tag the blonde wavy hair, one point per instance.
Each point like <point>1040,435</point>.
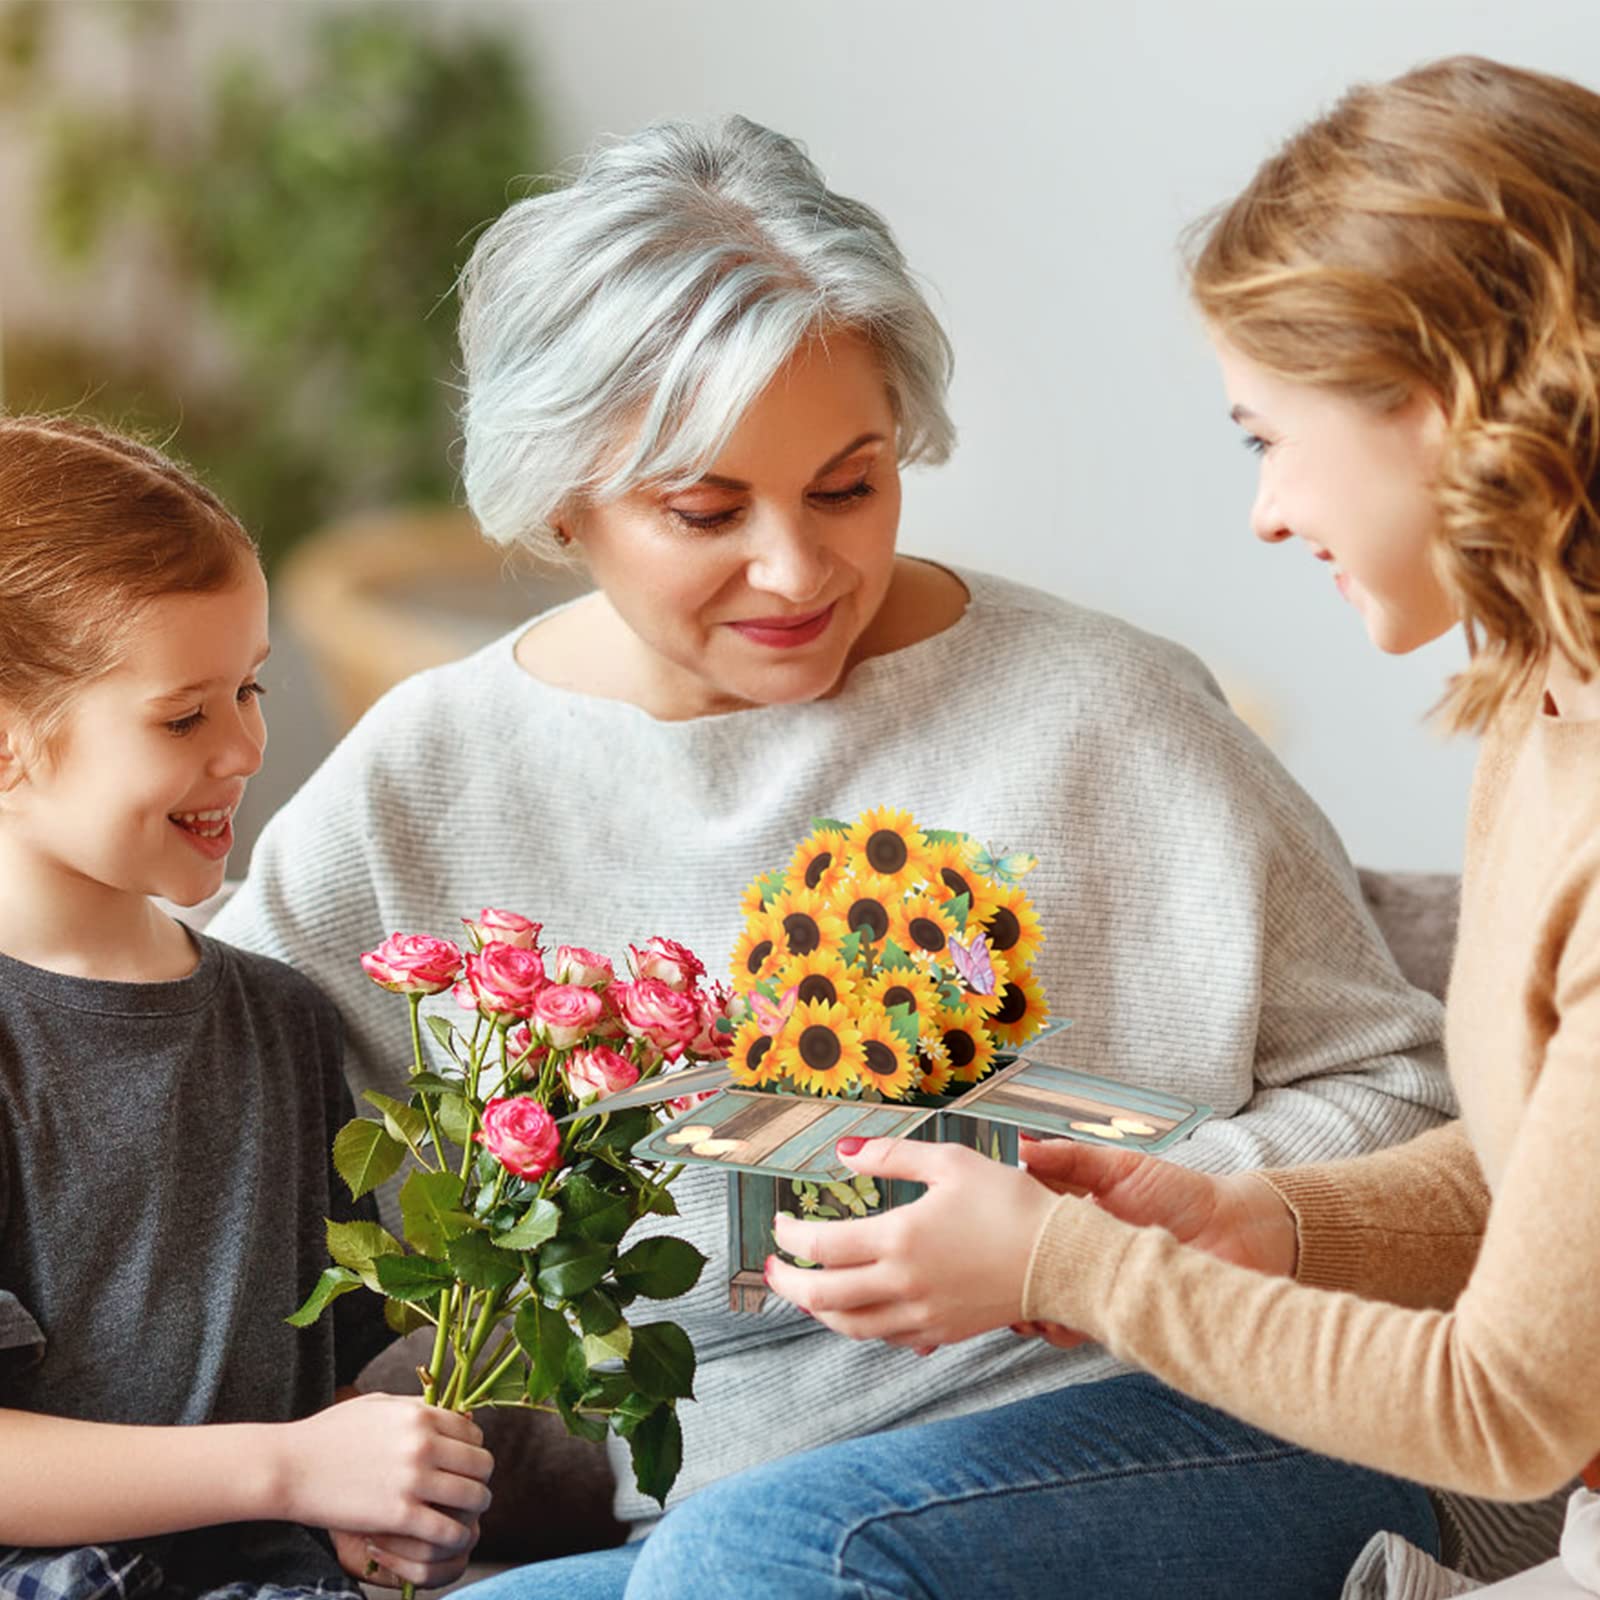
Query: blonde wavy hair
<point>1442,232</point>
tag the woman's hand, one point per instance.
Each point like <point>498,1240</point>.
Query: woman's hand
<point>942,1269</point>
<point>1238,1218</point>
<point>393,1561</point>
<point>410,1478</point>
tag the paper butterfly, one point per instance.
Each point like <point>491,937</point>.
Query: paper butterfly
<point>973,963</point>
<point>1012,868</point>
<point>772,1017</point>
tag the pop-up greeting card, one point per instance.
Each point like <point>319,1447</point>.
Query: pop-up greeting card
<point>885,988</point>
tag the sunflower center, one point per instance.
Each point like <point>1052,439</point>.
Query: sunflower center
<point>954,882</point>
<point>802,933</point>
<point>757,1052</point>
<point>759,956</point>
<point>819,865</point>
<point>962,1047</point>
<point>899,995</point>
<point>880,1058</point>
<point>886,852</point>
<point>1013,1005</point>
<point>819,1047</point>
<point>869,919</point>
<point>1003,929</point>
<point>815,987</point>
<point>925,933</point>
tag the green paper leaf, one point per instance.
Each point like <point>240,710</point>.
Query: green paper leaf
<point>656,1445</point>
<point>365,1155</point>
<point>894,958</point>
<point>772,885</point>
<point>454,1117</point>
<point>538,1223</point>
<point>569,1267</point>
<point>357,1245</point>
<point>613,1345</point>
<point>661,1362</point>
<point>401,1121</point>
<point>413,1277</point>
<point>831,824</point>
<point>850,948</point>
<point>480,1263</point>
<point>550,1346</point>
<point>960,909</point>
<point>402,1317</point>
<point>430,1210</point>
<point>904,1022</point>
<point>334,1282</point>
<point>943,836</point>
<point>593,1213</point>
<point>661,1268</point>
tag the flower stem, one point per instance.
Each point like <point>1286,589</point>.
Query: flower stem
<point>421,1066</point>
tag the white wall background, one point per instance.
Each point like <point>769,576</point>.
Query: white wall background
<point>1038,161</point>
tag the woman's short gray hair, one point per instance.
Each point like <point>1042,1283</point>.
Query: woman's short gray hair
<point>615,330</point>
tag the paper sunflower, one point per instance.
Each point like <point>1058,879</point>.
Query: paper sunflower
<point>756,897</point>
<point>952,875</point>
<point>758,954</point>
<point>904,986</point>
<point>820,1049</point>
<point>751,1060</point>
<point>933,1065</point>
<point>1022,1011</point>
<point>888,1063</point>
<point>968,1042</point>
<point>819,863</point>
<point>822,975</point>
<point>1013,925</point>
<point>807,922</point>
<point>885,843</point>
<point>866,904</point>
<point>922,927</point>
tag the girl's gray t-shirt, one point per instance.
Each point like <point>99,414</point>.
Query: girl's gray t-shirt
<point>165,1173</point>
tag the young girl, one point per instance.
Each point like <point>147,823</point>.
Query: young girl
<point>1405,302</point>
<point>167,1103</point>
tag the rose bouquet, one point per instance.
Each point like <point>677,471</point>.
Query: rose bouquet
<point>522,1185</point>
<point>885,961</point>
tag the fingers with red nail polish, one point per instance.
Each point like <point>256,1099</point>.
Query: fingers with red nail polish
<point>849,1147</point>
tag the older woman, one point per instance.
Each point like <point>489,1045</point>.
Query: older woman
<point>700,371</point>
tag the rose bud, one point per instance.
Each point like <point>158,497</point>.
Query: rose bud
<point>593,1074</point>
<point>504,927</point>
<point>413,963</point>
<point>651,1009</point>
<point>505,979</point>
<point>687,1102</point>
<point>523,1053</point>
<point>564,1013</point>
<point>574,964</point>
<point>715,1003</point>
<point>669,962</point>
<point>521,1135</point>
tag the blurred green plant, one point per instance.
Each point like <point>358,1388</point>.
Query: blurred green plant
<point>315,216</point>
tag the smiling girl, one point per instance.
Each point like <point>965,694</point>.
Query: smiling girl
<point>167,1103</point>
<point>1405,303</point>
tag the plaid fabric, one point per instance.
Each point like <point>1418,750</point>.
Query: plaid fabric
<point>105,1572</point>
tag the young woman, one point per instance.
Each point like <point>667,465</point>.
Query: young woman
<point>168,1104</point>
<point>1405,303</point>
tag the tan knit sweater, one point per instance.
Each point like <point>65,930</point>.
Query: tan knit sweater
<point>1427,1333</point>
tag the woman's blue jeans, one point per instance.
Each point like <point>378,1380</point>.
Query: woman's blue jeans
<point>1099,1491</point>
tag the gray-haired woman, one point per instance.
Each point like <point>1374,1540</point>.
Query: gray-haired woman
<point>700,371</point>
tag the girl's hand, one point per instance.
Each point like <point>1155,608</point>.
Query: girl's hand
<point>388,1466</point>
<point>942,1269</point>
<point>392,1561</point>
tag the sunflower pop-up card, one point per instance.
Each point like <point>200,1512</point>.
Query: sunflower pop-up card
<point>884,987</point>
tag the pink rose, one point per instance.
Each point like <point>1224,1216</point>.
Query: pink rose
<point>687,1102</point>
<point>413,963</point>
<point>564,1013</point>
<point>574,964</point>
<point>504,927</point>
<point>522,1052</point>
<point>715,1003</point>
<point>671,963</point>
<point>505,979</point>
<point>593,1074</point>
<point>521,1135</point>
<point>653,1010</point>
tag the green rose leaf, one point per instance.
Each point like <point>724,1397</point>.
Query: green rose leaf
<point>430,1209</point>
<point>444,1030</point>
<point>402,1317</point>
<point>612,1345</point>
<point>454,1117</point>
<point>507,1389</point>
<point>656,1444</point>
<point>415,1278</point>
<point>659,1202</point>
<point>592,1213</point>
<point>661,1362</point>
<point>550,1346</point>
<point>334,1282</point>
<point>597,1311</point>
<point>432,1083</point>
<point>366,1156</point>
<point>661,1268</point>
<point>401,1121</point>
<point>538,1223</point>
<point>623,1130</point>
<point>357,1245</point>
<point>584,1427</point>
<point>569,1267</point>
<point>630,1411</point>
<point>480,1263</point>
